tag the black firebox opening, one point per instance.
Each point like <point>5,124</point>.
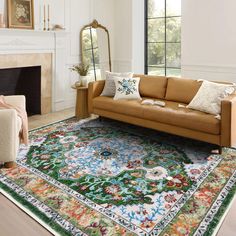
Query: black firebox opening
<point>23,81</point>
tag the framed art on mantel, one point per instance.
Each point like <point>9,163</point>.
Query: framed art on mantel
<point>20,14</point>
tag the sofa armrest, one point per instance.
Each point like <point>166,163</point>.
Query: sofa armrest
<point>94,90</point>
<point>9,137</point>
<point>18,101</point>
<point>228,121</point>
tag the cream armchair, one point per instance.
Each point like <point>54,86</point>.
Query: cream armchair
<point>10,126</point>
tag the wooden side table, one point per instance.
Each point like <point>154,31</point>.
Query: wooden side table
<point>81,108</point>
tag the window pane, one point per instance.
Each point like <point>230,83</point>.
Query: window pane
<point>94,38</point>
<point>89,56</point>
<point>91,71</point>
<point>156,30</point>
<point>156,71</point>
<point>173,7</point>
<point>173,29</point>
<point>98,73</point>
<point>173,54</point>
<point>173,72</point>
<point>96,56</point>
<point>156,8</point>
<point>86,39</point>
<point>163,54</point>
<point>156,54</point>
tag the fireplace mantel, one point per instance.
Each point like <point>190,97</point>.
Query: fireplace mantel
<point>16,39</point>
<point>20,42</point>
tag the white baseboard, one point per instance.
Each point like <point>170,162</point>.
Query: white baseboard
<point>64,104</point>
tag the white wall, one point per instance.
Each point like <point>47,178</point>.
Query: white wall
<point>123,35</point>
<point>209,39</point>
<point>129,36</point>
<point>103,12</point>
<point>138,36</point>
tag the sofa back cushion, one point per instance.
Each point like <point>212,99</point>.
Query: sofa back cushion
<point>181,89</point>
<point>152,86</point>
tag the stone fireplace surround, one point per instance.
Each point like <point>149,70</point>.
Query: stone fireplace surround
<point>35,59</point>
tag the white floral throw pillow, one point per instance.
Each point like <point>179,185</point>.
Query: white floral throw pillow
<point>127,88</point>
<point>209,96</point>
<point>109,89</point>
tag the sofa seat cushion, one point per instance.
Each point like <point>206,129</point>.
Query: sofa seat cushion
<point>183,117</point>
<point>170,114</point>
<point>127,107</point>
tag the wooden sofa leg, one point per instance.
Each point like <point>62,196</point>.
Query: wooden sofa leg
<point>9,164</point>
<point>220,150</point>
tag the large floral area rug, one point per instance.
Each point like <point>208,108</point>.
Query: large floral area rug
<point>110,178</point>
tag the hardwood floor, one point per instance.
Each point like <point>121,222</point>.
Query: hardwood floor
<point>228,228</point>
<point>13,221</point>
<point>41,120</point>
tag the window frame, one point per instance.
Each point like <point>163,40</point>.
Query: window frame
<point>146,42</point>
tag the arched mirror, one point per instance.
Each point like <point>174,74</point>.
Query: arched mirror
<point>95,49</point>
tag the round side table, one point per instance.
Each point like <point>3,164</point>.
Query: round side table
<point>81,108</point>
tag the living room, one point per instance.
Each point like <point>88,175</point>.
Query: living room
<point>117,117</point>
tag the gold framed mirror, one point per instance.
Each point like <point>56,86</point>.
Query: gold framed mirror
<point>95,49</point>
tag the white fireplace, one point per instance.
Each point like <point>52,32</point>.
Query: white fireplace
<point>25,48</point>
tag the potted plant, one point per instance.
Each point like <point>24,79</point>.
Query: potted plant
<point>82,69</point>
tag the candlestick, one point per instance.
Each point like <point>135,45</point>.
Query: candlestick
<point>2,25</point>
<point>44,17</point>
<point>48,17</point>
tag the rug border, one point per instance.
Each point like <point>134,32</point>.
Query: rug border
<point>55,229</point>
<point>213,227</point>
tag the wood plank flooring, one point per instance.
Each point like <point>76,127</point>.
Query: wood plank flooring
<point>13,221</point>
<point>42,120</point>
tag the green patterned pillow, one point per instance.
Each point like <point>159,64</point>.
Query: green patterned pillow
<point>127,88</point>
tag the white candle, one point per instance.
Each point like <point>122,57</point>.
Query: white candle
<point>48,12</point>
<point>44,12</point>
<point>1,19</point>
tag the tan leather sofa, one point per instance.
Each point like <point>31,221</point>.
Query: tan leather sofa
<point>10,126</point>
<point>171,118</point>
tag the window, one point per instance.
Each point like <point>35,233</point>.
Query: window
<point>163,37</point>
